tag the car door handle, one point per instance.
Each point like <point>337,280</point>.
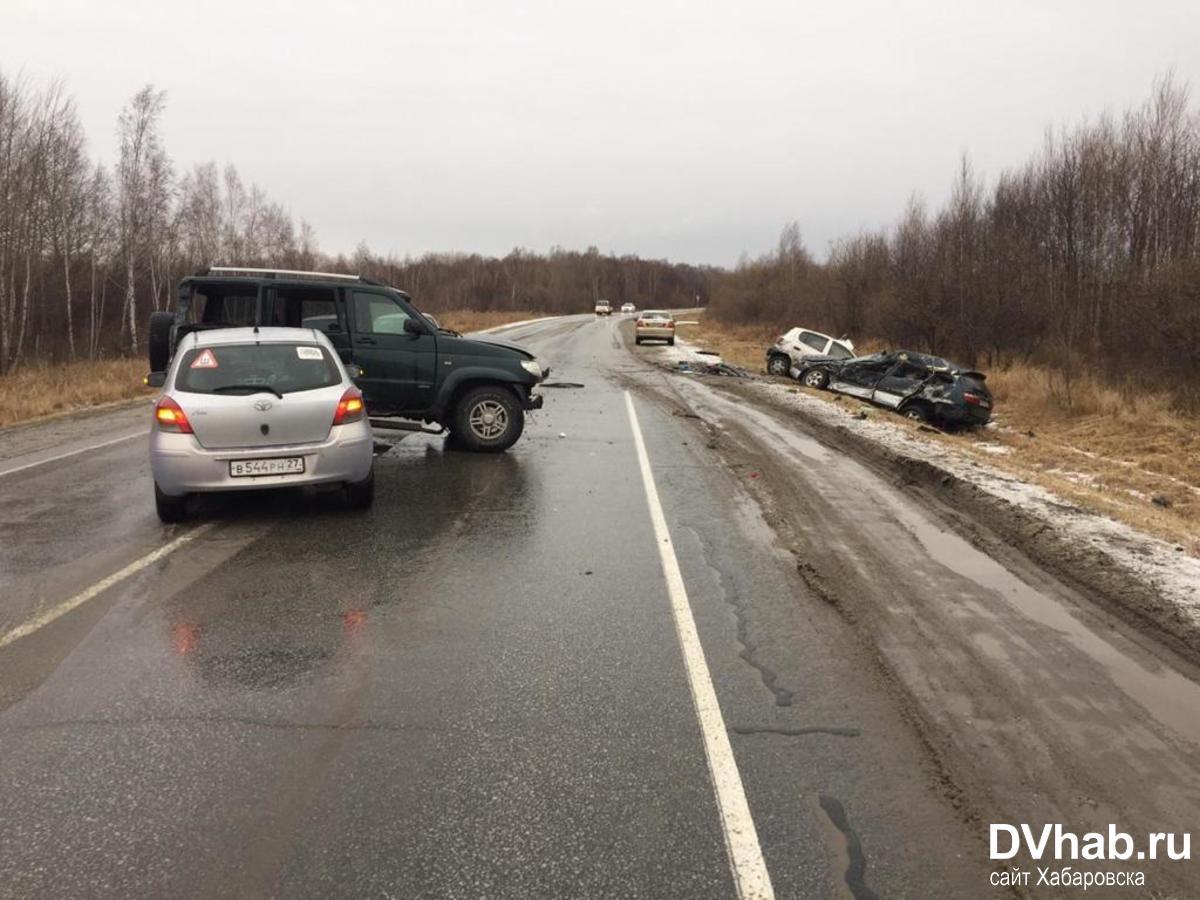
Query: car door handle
<point>364,340</point>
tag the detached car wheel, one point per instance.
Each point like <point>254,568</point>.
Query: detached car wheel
<point>779,365</point>
<point>170,509</point>
<point>816,378</point>
<point>488,420</point>
<point>361,494</point>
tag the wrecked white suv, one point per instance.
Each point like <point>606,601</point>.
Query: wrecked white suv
<point>792,346</point>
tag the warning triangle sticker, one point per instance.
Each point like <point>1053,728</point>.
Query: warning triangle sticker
<point>206,360</point>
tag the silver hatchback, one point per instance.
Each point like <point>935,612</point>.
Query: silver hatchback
<point>245,408</point>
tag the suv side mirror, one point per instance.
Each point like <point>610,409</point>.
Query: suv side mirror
<point>412,326</point>
<point>354,371</point>
<point>155,379</point>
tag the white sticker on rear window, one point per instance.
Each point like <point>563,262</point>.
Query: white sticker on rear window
<point>309,352</point>
<point>206,360</point>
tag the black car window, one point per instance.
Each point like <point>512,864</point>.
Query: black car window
<point>879,366</point>
<point>907,370</point>
<point>229,368</point>
<point>813,340</point>
<point>220,304</point>
<point>377,314</point>
<point>304,307</point>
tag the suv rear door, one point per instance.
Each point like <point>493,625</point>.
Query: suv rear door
<point>399,368</point>
<point>306,306</point>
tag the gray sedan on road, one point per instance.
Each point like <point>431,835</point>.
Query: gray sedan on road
<point>246,408</point>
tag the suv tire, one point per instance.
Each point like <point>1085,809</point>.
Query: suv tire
<point>917,412</point>
<point>779,365</point>
<point>158,340</point>
<point>487,419</point>
<point>361,494</point>
<point>170,509</point>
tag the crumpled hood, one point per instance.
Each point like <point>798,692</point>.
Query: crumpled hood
<point>499,342</point>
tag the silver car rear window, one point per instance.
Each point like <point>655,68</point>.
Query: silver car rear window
<point>285,368</point>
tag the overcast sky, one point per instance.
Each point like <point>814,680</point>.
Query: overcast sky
<point>683,130</point>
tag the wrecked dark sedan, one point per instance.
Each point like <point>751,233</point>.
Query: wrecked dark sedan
<point>918,386</point>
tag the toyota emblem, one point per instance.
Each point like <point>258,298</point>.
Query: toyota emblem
<point>262,405</point>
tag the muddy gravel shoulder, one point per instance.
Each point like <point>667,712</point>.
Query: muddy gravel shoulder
<point>1142,580</point>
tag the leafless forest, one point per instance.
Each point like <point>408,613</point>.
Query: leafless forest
<point>1087,258</point>
<point>87,251</point>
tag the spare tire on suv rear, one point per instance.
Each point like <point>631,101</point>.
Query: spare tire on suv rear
<point>158,340</point>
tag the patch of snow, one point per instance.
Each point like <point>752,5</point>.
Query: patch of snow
<point>994,449</point>
<point>1175,573</point>
<point>1082,478</point>
<point>1132,465</point>
<point>683,351</point>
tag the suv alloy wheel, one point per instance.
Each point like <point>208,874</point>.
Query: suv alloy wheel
<point>488,418</point>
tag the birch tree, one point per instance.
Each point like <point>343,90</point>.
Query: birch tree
<point>143,180</point>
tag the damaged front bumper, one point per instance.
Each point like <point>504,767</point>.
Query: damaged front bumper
<point>530,400</point>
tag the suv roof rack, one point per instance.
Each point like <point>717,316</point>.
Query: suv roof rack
<point>276,273</point>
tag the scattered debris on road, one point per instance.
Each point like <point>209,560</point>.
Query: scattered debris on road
<point>703,367</point>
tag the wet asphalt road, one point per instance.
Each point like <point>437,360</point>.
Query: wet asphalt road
<point>473,690</point>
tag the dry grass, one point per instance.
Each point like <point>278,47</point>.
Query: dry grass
<point>36,391</point>
<point>33,392</point>
<point>468,320</point>
<point>1130,457</point>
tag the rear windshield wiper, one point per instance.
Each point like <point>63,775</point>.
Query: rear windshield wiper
<point>246,389</point>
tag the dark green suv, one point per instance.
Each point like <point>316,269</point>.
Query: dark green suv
<point>477,388</point>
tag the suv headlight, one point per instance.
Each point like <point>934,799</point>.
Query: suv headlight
<point>532,366</point>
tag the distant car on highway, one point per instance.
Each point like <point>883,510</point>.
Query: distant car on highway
<point>654,324</point>
<point>245,408</point>
<point>791,347</point>
<point>603,308</point>
<point>628,308</point>
<point>918,386</point>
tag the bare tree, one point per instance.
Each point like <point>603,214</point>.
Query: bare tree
<point>143,178</point>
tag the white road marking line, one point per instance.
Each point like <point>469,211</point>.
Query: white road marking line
<point>741,838</point>
<point>45,618</point>
<point>42,462</point>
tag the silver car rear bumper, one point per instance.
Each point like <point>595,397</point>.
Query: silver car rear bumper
<point>181,466</point>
